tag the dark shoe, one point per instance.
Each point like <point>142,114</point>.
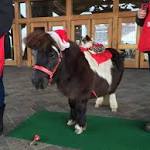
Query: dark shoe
<point>1,118</point>
<point>147,127</point>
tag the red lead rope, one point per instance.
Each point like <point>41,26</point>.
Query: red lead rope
<point>94,93</point>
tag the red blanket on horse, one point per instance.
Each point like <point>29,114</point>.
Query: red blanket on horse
<point>100,57</point>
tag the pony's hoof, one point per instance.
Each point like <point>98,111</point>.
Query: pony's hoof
<point>147,127</point>
<point>114,109</point>
<point>96,105</point>
<point>79,129</point>
<point>70,122</point>
<point>98,102</point>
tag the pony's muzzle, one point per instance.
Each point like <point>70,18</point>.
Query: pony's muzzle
<point>38,81</point>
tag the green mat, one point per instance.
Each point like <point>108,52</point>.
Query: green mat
<point>103,133</point>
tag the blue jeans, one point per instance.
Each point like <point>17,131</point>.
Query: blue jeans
<point>2,92</point>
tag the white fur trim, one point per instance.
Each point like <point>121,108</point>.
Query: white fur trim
<point>61,44</point>
<point>103,69</point>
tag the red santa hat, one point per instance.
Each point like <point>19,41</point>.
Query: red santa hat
<point>61,38</point>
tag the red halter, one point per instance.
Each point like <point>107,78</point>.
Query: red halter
<point>50,73</point>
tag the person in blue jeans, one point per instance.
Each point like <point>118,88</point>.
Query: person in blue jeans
<point>6,18</point>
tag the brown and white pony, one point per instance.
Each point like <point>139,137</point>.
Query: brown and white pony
<point>75,73</point>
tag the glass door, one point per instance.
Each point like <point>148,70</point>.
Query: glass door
<point>11,47</point>
<point>80,28</point>
<point>102,31</point>
<point>127,41</point>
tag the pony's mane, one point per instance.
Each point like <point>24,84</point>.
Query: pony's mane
<point>73,53</point>
<point>39,40</point>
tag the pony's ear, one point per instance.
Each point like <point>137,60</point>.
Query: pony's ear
<point>88,38</point>
<point>37,40</point>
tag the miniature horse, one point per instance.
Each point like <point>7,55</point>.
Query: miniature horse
<point>74,73</point>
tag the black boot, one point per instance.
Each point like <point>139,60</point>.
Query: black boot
<point>1,118</point>
<point>147,127</point>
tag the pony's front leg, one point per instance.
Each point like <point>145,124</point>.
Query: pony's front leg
<point>72,104</point>
<point>99,101</point>
<point>113,102</point>
<point>80,116</point>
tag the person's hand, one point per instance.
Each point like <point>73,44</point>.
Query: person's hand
<point>141,13</point>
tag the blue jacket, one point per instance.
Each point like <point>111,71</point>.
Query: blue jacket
<point>6,16</point>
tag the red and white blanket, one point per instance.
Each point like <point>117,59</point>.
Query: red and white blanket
<point>99,57</point>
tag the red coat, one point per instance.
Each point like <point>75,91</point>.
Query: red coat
<point>1,55</point>
<point>144,40</point>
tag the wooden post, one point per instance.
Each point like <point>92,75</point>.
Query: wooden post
<point>115,23</point>
<point>69,14</point>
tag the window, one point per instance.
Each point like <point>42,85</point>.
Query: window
<point>22,10</point>
<point>101,33</point>
<point>23,34</point>
<point>128,33</point>
<point>48,8</point>
<point>130,5</point>
<point>9,45</point>
<point>80,32</point>
<point>83,7</point>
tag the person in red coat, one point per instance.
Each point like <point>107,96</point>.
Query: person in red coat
<point>6,18</point>
<point>143,20</point>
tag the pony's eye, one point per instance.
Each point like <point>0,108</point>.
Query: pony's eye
<point>51,54</point>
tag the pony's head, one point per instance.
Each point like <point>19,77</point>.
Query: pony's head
<point>47,57</point>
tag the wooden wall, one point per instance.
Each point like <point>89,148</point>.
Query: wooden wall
<point>113,19</point>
